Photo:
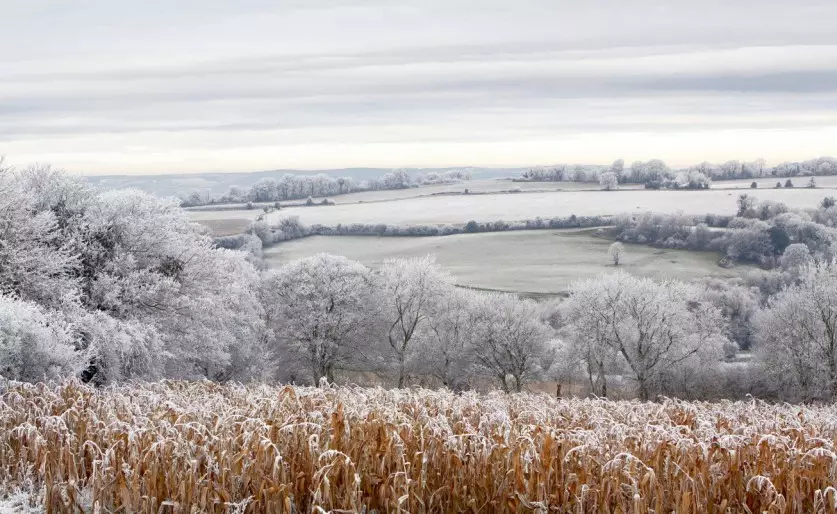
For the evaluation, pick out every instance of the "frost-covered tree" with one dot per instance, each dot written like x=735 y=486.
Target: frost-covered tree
x=617 y=168
x=145 y=292
x=616 y=251
x=795 y=258
x=407 y=291
x=796 y=336
x=510 y=339
x=654 y=327
x=35 y=344
x=450 y=338
x=608 y=181
x=320 y=309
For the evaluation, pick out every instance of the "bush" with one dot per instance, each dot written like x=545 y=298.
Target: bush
x=754 y=185
x=34 y=345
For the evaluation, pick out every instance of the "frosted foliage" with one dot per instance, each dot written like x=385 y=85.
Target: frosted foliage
x=451 y=336
x=320 y=308
x=34 y=260
x=34 y=345
x=407 y=290
x=609 y=181
x=144 y=292
x=616 y=252
x=509 y=339
x=646 y=325
x=796 y=257
x=796 y=336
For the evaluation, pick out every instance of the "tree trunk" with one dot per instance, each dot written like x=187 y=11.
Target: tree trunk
x=503 y=383
x=604 y=379
x=401 y=371
x=644 y=393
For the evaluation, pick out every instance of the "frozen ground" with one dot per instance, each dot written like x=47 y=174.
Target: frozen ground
x=460 y=209
x=543 y=261
x=416 y=206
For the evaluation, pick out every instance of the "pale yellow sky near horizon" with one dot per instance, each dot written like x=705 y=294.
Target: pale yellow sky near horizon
x=678 y=150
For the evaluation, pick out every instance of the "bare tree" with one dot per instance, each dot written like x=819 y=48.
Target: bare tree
x=652 y=326
x=407 y=290
x=510 y=339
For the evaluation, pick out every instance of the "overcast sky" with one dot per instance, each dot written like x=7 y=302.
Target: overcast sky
x=111 y=86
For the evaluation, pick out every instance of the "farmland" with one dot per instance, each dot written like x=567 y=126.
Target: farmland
x=542 y=261
x=203 y=447
x=460 y=209
x=445 y=204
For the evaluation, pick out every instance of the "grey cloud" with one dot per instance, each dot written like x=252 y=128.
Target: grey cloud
x=453 y=70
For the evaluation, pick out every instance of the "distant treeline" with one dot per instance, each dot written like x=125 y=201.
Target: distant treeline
x=656 y=173
x=295 y=187
x=261 y=234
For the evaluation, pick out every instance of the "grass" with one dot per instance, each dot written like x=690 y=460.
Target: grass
x=204 y=447
x=542 y=261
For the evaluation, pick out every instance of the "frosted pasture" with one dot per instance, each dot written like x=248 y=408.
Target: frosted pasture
x=520 y=206
x=542 y=261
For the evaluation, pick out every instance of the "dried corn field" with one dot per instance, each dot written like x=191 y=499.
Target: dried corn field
x=203 y=447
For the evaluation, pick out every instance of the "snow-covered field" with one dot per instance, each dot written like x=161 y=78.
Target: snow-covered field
x=542 y=261
x=538 y=199
x=511 y=207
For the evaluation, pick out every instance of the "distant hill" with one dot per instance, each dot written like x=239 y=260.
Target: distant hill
x=220 y=183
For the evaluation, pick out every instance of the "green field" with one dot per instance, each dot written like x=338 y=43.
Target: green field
x=542 y=261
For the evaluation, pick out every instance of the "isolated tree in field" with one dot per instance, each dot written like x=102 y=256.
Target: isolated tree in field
x=778 y=185
x=654 y=327
x=407 y=291
x=616 y=252
x=509 y=339
x=788 y=183
x=609 y=181
x=812 y=184
x=321 y=310
x=796 y=336
x=754 y=185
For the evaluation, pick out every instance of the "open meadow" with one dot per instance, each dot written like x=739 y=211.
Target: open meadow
x=521 y=206
x=531 y=261
x=418 y=206
x=204 y=447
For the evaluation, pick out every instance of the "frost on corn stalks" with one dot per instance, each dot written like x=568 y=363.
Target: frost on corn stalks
x=204 y=447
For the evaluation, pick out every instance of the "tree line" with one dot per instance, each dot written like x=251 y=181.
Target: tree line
x=113 y=286
x=295 y=187
x=656 y=174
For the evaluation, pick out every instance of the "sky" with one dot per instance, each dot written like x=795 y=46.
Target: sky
x=186 y=86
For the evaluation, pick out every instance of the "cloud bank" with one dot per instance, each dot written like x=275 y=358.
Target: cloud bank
x=102 y=87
